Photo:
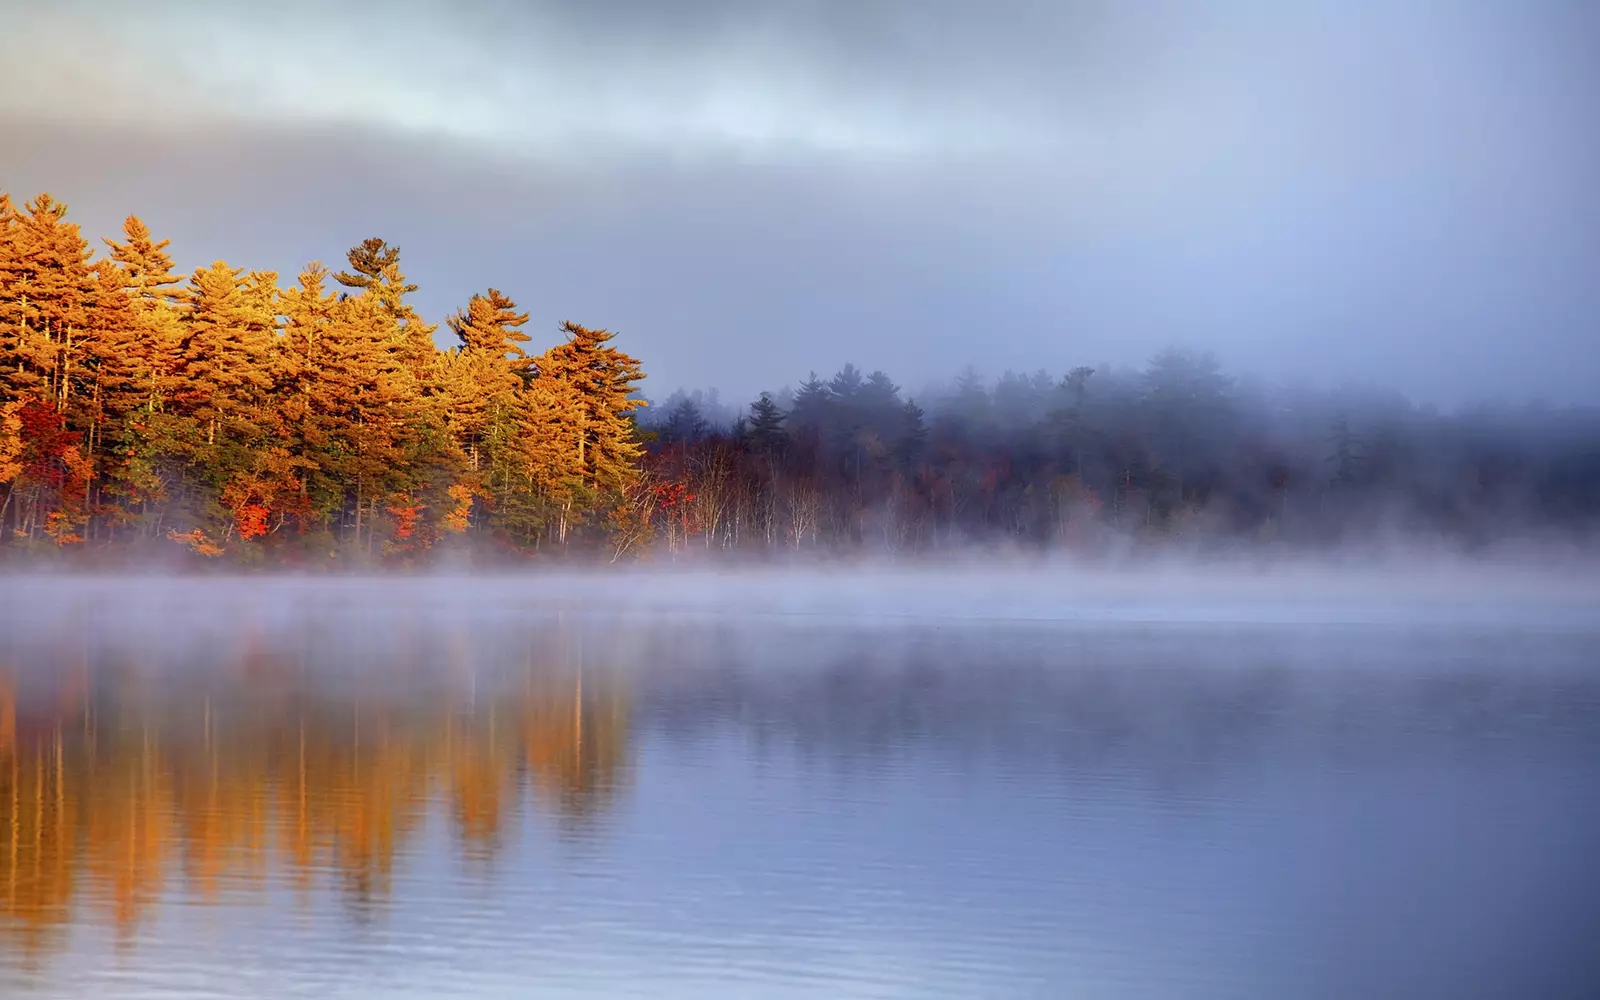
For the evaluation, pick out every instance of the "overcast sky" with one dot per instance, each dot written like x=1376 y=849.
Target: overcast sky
x=747 y=189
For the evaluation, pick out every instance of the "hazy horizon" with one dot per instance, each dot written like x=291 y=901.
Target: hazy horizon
x=748 y=191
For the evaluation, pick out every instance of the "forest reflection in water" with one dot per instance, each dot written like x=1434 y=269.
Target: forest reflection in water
x=602 y=804
x=122 y=780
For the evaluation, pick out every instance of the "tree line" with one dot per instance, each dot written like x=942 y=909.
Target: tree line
x=236 y=417
x=230 y=418
x=1176 y=454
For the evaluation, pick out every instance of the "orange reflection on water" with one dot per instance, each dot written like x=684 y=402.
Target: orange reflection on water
x=120 y=796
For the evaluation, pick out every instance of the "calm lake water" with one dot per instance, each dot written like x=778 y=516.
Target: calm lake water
x=244 y=789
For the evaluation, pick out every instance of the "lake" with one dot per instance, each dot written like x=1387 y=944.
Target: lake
x=854 y=785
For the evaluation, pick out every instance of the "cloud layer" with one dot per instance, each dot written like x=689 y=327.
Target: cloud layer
x=1400 y=193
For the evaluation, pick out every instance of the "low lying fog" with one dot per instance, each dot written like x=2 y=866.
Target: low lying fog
x=1396 y=592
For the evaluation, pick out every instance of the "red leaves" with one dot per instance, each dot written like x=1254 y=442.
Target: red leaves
x=197 y=541
x=672 y=495
x=405 y=513
x=252 y=500
x=45 y=442
x=674 y=501
x=48 y=455
x=251 y=520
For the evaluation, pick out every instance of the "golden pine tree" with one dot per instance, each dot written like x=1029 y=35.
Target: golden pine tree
x=10 y=443
x=155 y=296
x=375 y=271
x=603 y=379
x=362 y=410
x=45 y=286
x=222 y=377
x=482 y=393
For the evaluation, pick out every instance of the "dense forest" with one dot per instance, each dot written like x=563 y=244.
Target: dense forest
x=235 y=417
x=1176 y=455
x=223 y=417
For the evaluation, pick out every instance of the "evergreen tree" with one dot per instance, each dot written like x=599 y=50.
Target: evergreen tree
x=684 y=423
x=911 y=439
x=222 y=376
x=602 y=379
x=810 y=407
x=154 y=295
x=765 y=429
x=146 y=267
x=44 y=299
x=481 y=402
x=12 y=362
x=371 y=266
x=375 y=271
x=549 y=486
x=302 y=425
x=10 y=442
x=491 y=324
x=361 y=409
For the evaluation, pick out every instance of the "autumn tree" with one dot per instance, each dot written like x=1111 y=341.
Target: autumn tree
x=355 y=407
x=375 y=272
x=602 y=379
x=46 y=286
x=13 y=361
x=154 y=294
x=10 y=451
x=221 y=409
x=484 y=385
x=544 y=486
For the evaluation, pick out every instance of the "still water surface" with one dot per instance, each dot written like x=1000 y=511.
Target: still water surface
x=346 y=796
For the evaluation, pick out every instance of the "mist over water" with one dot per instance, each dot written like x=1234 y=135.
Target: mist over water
x=1007 y=782
x=850 y=498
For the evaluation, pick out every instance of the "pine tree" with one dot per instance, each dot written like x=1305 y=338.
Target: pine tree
x=544 y=479
x=490 y=368
x=375 y=271
x=368 y=263
x=297 y=361
x=460 y=379
x=603 y=378
x=47 y=285
x=491 y=324
x=11 y=361
x=146 y=266
x=109 y=383
x=810 y=408
x=361 y=410
x=10 y=443
x=222 y=368
x=765 y=429
x=154 y=293
x=911 y=438
x=684 y=424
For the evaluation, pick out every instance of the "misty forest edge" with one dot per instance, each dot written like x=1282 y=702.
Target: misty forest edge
x=220 y=418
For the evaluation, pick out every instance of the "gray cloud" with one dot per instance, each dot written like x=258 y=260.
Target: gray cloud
x=1401 y=193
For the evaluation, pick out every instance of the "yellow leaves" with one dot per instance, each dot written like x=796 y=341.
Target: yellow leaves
x=457 y=519
x=196 y=540
x=218 y=400
x=492 y=325
x=61 y=528
x=10 y=440
x=243 y=497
